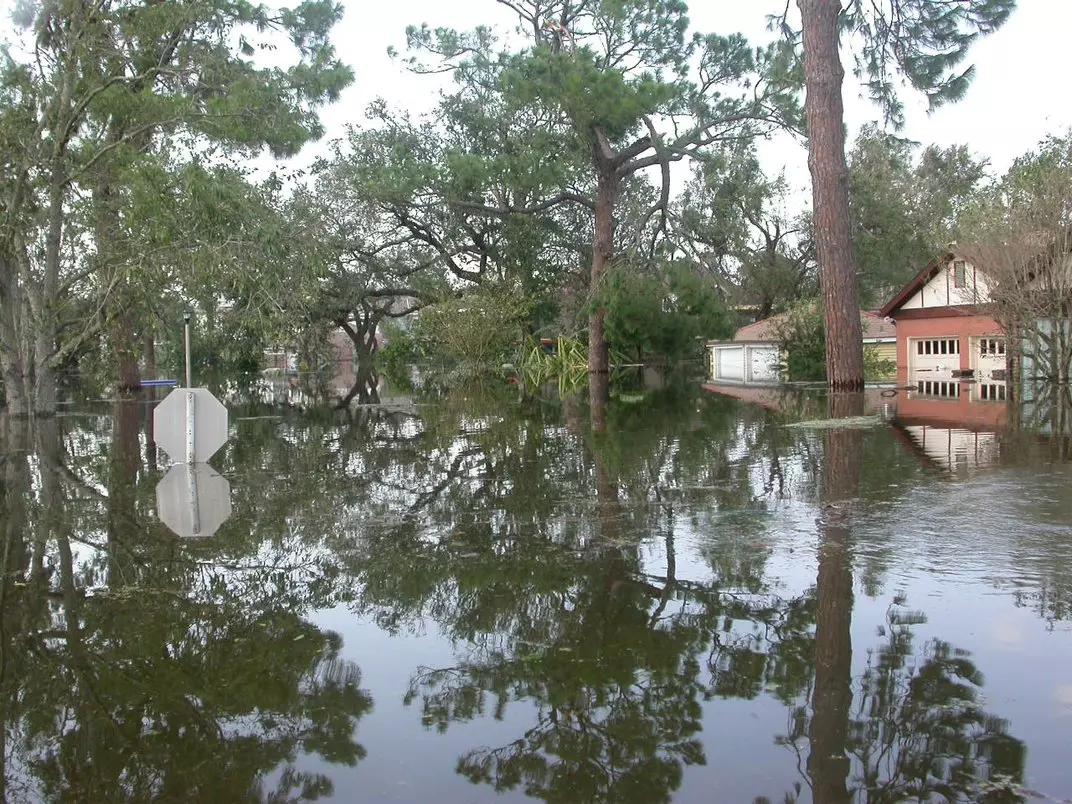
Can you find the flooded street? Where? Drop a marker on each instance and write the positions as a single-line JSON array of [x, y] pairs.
[[465, 596]]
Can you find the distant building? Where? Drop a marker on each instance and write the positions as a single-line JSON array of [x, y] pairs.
[[945, 332], [755, 355]]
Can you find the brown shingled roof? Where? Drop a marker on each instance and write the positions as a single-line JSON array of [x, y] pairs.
[[874, 326]]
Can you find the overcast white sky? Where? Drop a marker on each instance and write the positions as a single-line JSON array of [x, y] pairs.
[[1018, 96], [1016, 99]]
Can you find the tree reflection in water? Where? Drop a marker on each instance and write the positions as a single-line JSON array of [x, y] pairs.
[[618, 662], [135, 668], [915, 729]]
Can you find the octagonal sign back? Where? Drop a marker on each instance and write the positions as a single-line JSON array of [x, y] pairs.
[[193, 500], [209, 422]]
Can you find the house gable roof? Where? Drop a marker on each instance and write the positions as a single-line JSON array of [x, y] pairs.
[[913, 287]]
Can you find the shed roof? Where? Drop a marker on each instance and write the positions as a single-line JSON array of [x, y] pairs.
[[874, 326]]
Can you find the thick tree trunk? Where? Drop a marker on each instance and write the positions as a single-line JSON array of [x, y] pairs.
[[366, 388], [127, 349], [45, 295], [825, 114], [598, 394], [148, 352], [45, 399], [607, 189], [12, 367], [123, 468], [362, 334], [828, 762], [46, 324]]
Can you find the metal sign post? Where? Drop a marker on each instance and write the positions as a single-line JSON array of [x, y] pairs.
[[189, 382], [190, 425]]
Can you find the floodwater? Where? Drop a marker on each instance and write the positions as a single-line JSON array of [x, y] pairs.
[[462, 595]]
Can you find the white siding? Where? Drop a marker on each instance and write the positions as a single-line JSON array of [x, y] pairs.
[[745, 362], [941, 291], [729, 363]]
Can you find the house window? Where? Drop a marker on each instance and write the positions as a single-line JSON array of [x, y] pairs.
[[938, 346], [991, 347], [992, 392], [960, 274]]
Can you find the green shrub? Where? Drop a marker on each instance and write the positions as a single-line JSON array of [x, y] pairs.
[[803, 335], [478, 330], [664, 310]]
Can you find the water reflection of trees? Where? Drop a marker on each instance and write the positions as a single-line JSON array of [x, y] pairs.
[[531, 559], [546, 552], [135, 668], [914, 728]]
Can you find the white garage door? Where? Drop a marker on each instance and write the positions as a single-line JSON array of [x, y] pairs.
[[764, 361], [936, 356], [988, 355], [729, 363]]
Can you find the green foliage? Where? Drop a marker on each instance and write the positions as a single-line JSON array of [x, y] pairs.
[[731, 219], [592, 96], [566, 364], [233, 347], [602, 91], [402, 348], [926, 42], [905, 206], [803, 336], [876, 367], [662, 311], [1021, 238], [112, 102], [477, 330]]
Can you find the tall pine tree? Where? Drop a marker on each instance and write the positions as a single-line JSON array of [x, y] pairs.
[[923, 41]]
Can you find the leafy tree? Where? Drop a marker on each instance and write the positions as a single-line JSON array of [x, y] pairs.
[[923, 41], [731, 220], [600, 78], [802, 333], [478, 329], [1021, 238], [661, 310], [95, 90], [905, 206]]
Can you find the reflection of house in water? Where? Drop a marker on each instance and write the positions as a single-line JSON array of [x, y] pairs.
[[971, 405], [953, 425], [953, 449], [1046, 408], [799, 403]]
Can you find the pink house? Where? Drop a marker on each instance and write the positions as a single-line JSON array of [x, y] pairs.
[[945, 332]]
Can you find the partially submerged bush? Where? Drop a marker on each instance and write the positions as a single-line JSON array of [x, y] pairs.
[[664, 310], [802, 333], [478, 330]]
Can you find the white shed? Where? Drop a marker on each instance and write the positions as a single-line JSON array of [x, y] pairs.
[[736, 361]]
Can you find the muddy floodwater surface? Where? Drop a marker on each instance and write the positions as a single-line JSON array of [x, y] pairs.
[[466, 595]]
